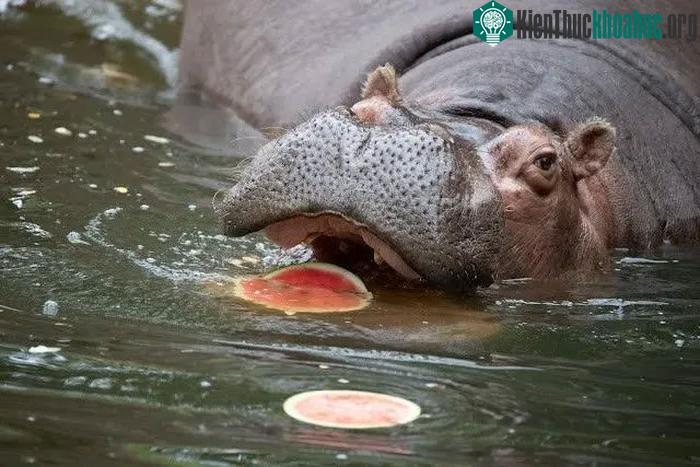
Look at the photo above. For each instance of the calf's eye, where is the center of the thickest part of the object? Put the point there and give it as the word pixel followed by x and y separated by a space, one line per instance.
pixel 545 162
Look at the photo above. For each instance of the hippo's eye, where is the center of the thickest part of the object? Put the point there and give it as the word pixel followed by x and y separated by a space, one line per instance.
pixel 545 161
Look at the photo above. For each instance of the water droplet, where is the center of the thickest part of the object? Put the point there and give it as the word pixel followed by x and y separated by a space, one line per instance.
pixel 35 139
pixel 101 383
pixel 50 308
pixel 63 131
pixel 156 139
pixel 43 349
pixel 75 381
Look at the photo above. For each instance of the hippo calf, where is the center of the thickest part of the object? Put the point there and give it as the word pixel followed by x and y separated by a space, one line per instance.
pixel 532 158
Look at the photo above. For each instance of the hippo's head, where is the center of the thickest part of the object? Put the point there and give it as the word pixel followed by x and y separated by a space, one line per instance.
pixel 453 203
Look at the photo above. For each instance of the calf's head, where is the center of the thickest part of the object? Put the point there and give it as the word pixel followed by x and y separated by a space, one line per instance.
pixel 554 208
pixel 376 183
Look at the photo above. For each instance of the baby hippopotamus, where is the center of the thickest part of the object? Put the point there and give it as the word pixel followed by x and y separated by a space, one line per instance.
pixel 531 158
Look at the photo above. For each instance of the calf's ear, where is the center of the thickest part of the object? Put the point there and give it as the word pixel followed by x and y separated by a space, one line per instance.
pixel 591 144
pixel 382 82
pixel 381 100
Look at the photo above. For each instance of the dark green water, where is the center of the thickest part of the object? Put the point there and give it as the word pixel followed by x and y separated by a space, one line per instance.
pixel 155 369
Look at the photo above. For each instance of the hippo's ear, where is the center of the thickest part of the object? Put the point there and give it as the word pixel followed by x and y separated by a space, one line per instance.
pixel 382 82
pixel 591 144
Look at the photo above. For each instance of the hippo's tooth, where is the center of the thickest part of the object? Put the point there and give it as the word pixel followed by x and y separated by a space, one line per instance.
pixel 378 259
pixel 310 239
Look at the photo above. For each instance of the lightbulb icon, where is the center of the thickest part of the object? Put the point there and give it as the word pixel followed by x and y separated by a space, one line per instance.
pixel 493 21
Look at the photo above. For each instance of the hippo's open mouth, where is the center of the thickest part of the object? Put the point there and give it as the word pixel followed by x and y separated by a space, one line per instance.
pixel 340 240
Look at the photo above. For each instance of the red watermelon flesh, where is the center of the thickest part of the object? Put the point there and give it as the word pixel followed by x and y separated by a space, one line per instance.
pixel 351 409
pixel 313 287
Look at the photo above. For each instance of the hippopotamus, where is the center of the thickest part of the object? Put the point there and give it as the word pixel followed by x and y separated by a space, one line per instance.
pixel 411 145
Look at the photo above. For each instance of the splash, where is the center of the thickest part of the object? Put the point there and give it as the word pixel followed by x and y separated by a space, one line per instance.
pixel 94 232
pixel 351 356
pixel 106 22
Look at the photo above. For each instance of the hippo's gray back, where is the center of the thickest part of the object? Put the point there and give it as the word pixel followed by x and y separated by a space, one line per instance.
pixel 274 61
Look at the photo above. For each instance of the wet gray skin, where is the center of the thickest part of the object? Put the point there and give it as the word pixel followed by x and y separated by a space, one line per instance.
pixel 420 190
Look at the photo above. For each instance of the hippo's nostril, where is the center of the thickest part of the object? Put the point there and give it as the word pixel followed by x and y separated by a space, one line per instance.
pixel 344 111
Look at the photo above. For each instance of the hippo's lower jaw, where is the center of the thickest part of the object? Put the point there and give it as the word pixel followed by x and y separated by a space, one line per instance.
pixel 338 239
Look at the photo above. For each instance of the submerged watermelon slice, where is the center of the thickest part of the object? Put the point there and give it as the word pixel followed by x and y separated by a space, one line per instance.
pixel 351 409
pixel 312 288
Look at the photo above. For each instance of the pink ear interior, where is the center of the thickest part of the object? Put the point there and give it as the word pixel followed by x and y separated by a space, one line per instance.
pixel 382 82
pixel 591 144
pixel 372 110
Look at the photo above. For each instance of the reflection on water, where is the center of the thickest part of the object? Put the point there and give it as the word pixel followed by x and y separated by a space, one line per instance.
pixel 107 242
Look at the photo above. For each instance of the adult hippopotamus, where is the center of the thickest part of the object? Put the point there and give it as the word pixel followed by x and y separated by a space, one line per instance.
pixel 461 163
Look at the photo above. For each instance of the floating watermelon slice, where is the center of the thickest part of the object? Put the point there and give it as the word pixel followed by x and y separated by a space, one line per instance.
pixel 351 409
pixel 312 288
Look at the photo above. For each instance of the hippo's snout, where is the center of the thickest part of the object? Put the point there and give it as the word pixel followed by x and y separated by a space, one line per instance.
pixel 422 202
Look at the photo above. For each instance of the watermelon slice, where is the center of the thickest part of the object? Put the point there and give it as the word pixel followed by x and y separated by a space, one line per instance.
pixel 351 410
pixel 311 288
